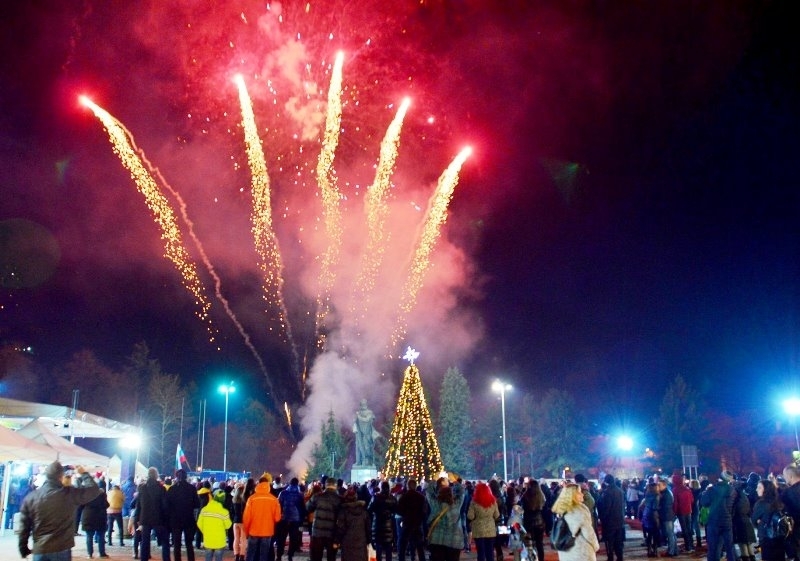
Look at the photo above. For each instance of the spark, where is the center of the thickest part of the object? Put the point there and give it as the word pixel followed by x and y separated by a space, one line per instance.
pixel 435 217
pixel 377 210
pixel 209 266
pixel 288 415
pixel 331 209
pixel 192 234
pixel 266 242
pixel 124 146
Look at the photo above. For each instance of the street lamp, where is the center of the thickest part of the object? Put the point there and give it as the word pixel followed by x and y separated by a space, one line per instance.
pixel 792 407
pixel 625 443
pixel 227 389
pixel 502 388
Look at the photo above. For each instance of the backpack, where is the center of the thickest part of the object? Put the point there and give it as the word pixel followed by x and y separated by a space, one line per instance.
pixel 780 525
pixel 561 537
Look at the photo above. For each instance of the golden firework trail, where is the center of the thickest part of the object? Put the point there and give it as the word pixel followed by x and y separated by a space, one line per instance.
pixel 266 242
pixel 288 413
pixel 124 146
pixel 209 267
pixel 331 209
pixel 377 210
pixel 435 217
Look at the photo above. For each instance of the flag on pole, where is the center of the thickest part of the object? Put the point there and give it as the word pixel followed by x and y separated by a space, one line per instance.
pixel 180 458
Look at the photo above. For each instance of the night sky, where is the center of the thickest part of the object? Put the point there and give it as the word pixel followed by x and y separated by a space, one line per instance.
pixel 630 212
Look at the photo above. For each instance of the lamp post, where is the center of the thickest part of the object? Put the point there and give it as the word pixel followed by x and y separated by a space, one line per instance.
pixel 502 388
pixel 792 408
pixel 227 389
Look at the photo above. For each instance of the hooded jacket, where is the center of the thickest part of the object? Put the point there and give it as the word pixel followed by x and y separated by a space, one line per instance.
pixel 214 521
pixel 684 499
pixel 293 508
pixel 261 512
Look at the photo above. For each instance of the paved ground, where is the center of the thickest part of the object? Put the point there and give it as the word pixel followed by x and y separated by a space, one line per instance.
pixel 634 549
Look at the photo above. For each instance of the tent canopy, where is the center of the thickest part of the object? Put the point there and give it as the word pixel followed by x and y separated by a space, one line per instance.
pixel 61 420
pixel 17 448
pixel 68 453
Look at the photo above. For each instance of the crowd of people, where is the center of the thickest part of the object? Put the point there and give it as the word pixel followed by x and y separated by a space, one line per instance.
pixel 263 519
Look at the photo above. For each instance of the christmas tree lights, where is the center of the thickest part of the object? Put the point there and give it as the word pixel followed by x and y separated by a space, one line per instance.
pixel 413 450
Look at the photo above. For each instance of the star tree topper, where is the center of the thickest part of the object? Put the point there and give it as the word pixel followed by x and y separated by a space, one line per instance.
pixel 411 355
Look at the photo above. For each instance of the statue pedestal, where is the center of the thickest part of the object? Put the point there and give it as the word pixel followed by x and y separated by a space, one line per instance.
pixel 362 474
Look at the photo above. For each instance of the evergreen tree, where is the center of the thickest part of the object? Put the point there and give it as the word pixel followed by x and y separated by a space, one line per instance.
pixel 413 449
pixel 454 423
pixel 330 455
pixel 561 433
pixel 679 423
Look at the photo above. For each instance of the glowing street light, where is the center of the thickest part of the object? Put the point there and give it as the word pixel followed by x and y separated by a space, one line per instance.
pixel 502 388
pixel 625 443
pixel 227 389
pixel 792 408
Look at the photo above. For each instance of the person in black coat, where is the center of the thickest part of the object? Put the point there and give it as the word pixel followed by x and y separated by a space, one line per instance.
pixel 791 502
pixel 382 509
pixel 611 512
pixel 353 527
pixel 325 506
pixel 151 512
pixel 768 503
pixel 183 504
pixel 93 521
pixel 719 528
pixel 743 532
pixel 411 507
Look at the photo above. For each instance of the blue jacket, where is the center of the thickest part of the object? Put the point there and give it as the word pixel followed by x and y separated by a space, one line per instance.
pixel 293 507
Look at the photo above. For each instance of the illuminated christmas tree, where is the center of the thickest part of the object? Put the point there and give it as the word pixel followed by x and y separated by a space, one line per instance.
pixel 413 449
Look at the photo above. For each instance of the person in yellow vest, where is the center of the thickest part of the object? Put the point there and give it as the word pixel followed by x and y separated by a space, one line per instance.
pixel 214 521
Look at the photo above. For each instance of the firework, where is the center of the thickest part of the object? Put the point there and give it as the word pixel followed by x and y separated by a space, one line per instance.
pixel 331 209
pixel 139 156
pixel 266 242
pixel 377 210
pixel 435 217
pixel 124 146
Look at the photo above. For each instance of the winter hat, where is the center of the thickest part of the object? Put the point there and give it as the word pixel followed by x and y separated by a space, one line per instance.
pixel 54 471
pixel 219 496
pixel 266 477
pixel 727 476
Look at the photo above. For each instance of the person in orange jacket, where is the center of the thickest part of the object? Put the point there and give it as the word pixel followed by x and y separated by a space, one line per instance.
pixel 261 514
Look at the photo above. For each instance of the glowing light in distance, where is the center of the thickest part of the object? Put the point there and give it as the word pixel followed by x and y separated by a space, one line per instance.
pixel 625 442
pixel 792 406
pixel 131 441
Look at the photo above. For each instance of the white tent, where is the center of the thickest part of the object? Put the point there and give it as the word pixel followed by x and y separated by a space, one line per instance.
pixel 67 452
pixel 62 420
pixel 17 448
pixel 59 420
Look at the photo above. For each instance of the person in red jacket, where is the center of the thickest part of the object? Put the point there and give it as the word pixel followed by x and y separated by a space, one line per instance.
pixel 261 513
pixel 684 502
